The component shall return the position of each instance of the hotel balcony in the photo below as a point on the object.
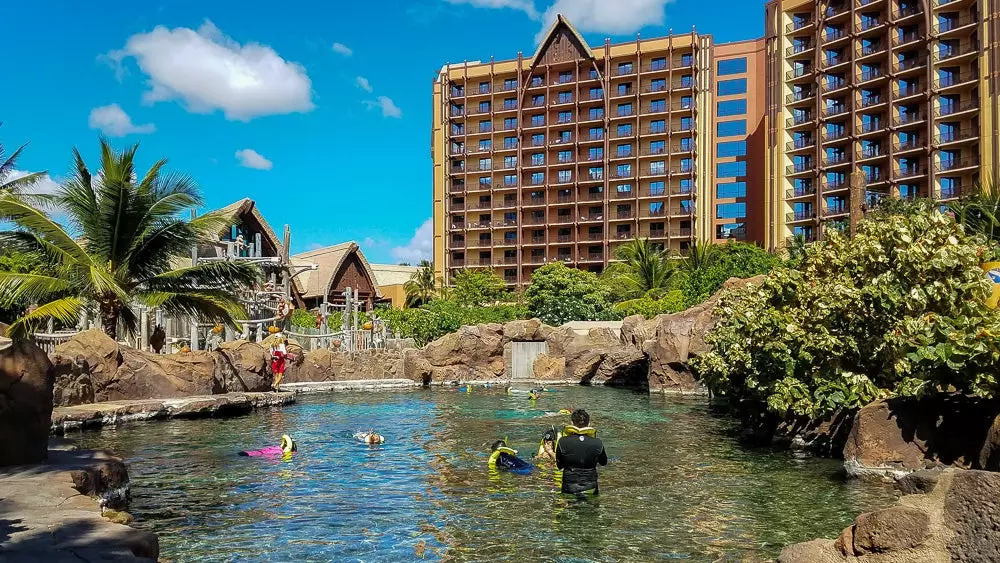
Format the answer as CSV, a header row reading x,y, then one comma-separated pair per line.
x,y
910,145
961,136
794,193
800,50
800,216
955,27
800,25
800,168
799,121
835,210
800,98
899,40
956,82
957,165
802,74
956,110
906,172
964,51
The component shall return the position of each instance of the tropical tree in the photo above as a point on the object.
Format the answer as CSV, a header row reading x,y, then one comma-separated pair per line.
x,y
978,211
478,287
643,268
123,240
708,266
559,294
421,286
9,184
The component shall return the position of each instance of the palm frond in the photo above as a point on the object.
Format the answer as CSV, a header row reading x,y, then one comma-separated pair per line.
x,y
29,288
65,310
211,305
27,217
206,275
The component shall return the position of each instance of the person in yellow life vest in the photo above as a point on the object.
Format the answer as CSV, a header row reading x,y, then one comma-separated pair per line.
x,y
547,446
504,457
578,453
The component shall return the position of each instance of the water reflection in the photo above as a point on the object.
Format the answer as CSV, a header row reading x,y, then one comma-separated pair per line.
x,y
682,487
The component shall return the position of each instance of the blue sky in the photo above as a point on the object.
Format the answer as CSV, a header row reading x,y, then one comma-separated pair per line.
x,y
320,111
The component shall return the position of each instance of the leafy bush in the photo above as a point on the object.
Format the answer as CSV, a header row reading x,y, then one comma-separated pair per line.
x,y
479,287
702,276
559,294
440,317
896,311
649,307
303,318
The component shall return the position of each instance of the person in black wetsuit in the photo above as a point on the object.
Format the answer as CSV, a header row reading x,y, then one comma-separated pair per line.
x,y
578,453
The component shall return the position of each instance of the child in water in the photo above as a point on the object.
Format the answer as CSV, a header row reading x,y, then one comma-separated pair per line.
x,y
287,448
547,447
371,437
503,457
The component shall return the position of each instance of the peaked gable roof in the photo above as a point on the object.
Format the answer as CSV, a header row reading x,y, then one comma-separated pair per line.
x,y
247,205
561,27
329,260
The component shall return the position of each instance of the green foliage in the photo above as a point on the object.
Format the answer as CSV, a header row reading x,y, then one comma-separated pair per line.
x,y
440,317
421,286
303,318
16,262
478,287
10,185
898,310
978,211
707,267
127,235
559,294
649,307
643,268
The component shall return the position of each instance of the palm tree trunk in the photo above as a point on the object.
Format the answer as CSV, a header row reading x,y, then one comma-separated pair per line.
x,y
109,317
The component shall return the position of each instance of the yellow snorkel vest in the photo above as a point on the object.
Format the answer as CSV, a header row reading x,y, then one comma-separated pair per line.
x,y
492,463
585,431
287,444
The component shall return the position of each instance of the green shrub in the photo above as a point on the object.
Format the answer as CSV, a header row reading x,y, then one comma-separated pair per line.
x,y
559,294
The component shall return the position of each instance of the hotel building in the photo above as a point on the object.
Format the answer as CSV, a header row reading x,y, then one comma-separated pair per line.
x,y
874,98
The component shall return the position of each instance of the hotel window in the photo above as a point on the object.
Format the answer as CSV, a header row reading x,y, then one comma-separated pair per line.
x,y
658,85
510,123
537,100
596,113
624,231
484,87
686,143
596,133
510,142
686,164
624,68
565,136
656,188
457,91
593,74
686,206
731,148
565,76
657,147
625,88
537,81
731,128
658,105
565,176
565,116
537,159
731,190
624,189
537,139
731,210
624,110
686,102
686,185
656,208
485,163
624,170
596,173
510,180
457,109
625,130
457,129
510,103
950,187
731,169
656,167
485,144
510,84
687,81
565,97
485,126
484,107
510,162
510,236
595,153
624,150
537,120
687,60
658,126
732,87
732,66
686,123
565,156
658,63
537,178
596,94
486,181
732,107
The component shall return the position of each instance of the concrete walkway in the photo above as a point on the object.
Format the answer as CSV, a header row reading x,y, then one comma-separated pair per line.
x,y
44,517
110,413
356,385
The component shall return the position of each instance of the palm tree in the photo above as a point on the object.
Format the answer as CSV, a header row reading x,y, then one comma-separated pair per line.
x,y
700,256
643,267
422,286
979,210
121,251
8,184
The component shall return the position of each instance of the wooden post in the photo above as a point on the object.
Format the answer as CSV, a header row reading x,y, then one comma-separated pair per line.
x,y
83,317
286,277
194,319
256,246
143,329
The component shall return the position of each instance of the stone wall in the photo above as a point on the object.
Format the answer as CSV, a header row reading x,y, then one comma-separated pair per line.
x,y
26,379
327,365
942,517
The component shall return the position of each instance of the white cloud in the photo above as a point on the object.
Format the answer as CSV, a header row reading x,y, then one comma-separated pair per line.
x,y
209,71
114,122
250,158
526,6
614,17
421,246
44,185
363,83
387,106
342,49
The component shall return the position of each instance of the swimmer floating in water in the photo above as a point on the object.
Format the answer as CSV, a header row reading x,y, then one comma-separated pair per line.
x,y
287,447
371,437
547,447
503,457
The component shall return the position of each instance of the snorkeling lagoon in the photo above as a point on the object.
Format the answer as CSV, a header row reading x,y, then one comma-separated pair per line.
x,y
680,485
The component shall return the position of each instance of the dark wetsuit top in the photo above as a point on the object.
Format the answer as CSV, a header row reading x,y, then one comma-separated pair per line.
x,y
578,457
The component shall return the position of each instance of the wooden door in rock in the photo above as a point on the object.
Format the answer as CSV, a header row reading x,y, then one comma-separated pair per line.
x,y
522,359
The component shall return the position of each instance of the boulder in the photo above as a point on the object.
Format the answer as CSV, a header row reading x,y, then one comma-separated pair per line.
x,y
522,331
242,366
549,368
329,365
891,529
972,511
84,366
26,382
919,482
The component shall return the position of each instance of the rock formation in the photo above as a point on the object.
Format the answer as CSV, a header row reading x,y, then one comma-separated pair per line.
x,y
26,379
942,517
329,365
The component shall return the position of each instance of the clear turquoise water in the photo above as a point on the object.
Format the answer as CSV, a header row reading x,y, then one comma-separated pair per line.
x,y
683,489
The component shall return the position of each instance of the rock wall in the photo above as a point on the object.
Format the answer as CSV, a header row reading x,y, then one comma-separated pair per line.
x,y
328,365
92,367
483,352
26,380
943,516
903,435
670,341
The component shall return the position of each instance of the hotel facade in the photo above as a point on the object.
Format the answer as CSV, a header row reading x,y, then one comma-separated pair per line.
x,y
564,156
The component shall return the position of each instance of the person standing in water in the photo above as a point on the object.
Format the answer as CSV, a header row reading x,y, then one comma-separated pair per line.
x,y
578,453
